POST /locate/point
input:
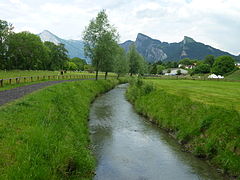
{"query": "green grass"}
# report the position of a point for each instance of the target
(234, 76)
(45, 134)
(204, 127)
(219, 93)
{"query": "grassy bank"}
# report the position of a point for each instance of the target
(234, 76)
(45, 134)
(203, 127)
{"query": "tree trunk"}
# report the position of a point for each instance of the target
(131, 74)
(118, 76)
(106, 75)
(96, 75)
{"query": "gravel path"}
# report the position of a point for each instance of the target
(15, 93)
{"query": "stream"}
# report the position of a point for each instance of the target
(128, 147)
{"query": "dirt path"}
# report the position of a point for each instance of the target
(15, 93)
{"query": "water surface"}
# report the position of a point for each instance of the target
(128, 147)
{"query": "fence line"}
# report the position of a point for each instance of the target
(18, 80)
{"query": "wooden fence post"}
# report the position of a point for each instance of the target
(1, 82)
(31, 79)
(10, 81)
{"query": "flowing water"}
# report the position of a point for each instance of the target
(128, 147)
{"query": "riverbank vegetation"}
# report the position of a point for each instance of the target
(203, 116)
(45, 134)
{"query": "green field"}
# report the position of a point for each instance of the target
(45, 134)
(225, 94)
(234, 76)
(204, 116)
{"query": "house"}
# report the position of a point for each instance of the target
(174, 71)
(214, 76)
(187, 66)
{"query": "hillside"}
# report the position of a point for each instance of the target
(74, 47)
(154, 50)
(234, 76)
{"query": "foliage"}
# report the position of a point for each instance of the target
(45, 135)
(5, 31)
(137, 64)
(202, 69)
(96, 37)
(79, 63)
(210, 59)
(223, 65)
(57, 56)
(234, 76)
(26, 51)
(179, 72)
(121, 65)
(206, 129)
(186, 61)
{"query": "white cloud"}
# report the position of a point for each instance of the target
(215, 22)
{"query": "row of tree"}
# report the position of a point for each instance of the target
(101, 46)
(26, 51)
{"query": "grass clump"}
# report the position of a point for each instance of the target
(45, 135)
(207, 130)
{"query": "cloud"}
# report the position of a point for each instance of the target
(214, 22)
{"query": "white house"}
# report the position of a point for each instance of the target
(214, 76)
(173, 71)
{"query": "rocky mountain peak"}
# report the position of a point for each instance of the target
(48, 36)
(188, 40)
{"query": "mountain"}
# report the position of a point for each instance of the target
(74, 47)
(154, 50)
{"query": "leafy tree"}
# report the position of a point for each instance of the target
(154, 69)
(121, 65)
(70, 66)
(109, 46)
(160, 69)
(179, 72)
(186, 61)
(209, 60)
(202, 69)
(26, 51)
(223, 65)
(57, 56)
(5, 31)
(95, 37)
(89, 68)
(137, 64)
(79, 62)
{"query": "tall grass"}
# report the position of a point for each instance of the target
(45, 135)
(208, 131)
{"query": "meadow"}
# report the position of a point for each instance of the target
(204, 116)
(219, 93)
(45, 134)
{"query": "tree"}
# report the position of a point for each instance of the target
(160, 69)
(5, 31)
(202, 69)
(57, 56)
(121, 65)
(223, 65)
(137, 64)
(209, 60)
(186, 61)
(79, 63)
(179, 72)
(26, 51)
(95, 36)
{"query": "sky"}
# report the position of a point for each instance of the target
(212, 22)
